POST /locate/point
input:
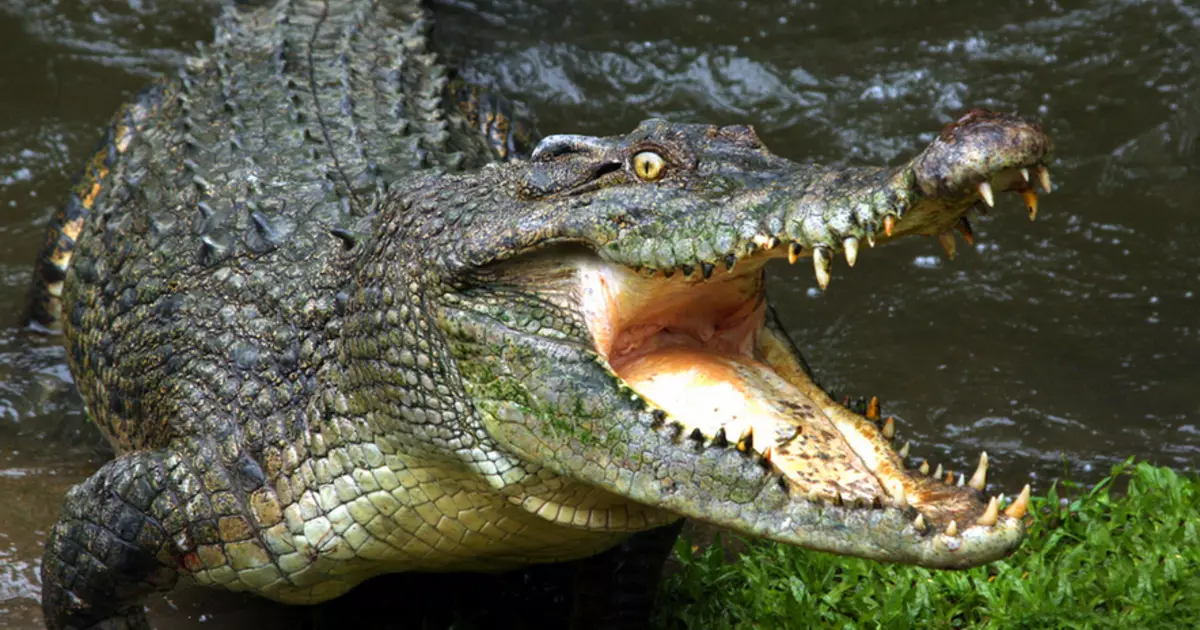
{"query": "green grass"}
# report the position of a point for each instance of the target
(1103, 560)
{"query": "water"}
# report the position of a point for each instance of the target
(1059, 347)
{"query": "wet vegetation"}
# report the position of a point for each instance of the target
(1124, 553)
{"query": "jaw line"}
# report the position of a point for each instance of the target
(860, 445)
(614, 298)
(740, 492)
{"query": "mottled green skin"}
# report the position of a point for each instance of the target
(292, 308)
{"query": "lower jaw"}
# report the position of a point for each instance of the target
(766, 405)
(703, 353)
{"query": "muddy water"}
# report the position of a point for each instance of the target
(1059, 346)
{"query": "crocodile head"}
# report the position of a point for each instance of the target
(603, 304)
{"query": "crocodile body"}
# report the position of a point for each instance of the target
(332, 333)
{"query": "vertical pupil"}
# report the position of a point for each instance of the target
(646, 167)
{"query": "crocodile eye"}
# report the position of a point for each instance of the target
(648, 165)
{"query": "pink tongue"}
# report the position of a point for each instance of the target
(710, 391)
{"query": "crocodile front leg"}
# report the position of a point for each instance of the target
(111, 546)
(151, 519)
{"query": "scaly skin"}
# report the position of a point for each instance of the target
(332, 337)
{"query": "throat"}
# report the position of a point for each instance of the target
(631, 316)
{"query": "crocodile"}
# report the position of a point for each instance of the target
(342, 315)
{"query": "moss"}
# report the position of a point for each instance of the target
(483, 384)
(1100, 560)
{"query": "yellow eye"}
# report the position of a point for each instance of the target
(648, 165)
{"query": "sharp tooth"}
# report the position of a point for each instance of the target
(964, 228)
(1024, 173)
(766, 456)
(991, 514)
(952, 529)
(962, 480)
(1018, 508)
(1030, 197)
(871, 239)
(947, 240)
(793, 252)
(949, 480)
(822, 263)
(746, 441)
(837, 498)
(897, 492)
(919, 522)
(773, 242)
(889, 224)
(851, 245)
(979, 479)
(904, 450)
(889, 428)
(924, 467)
(873, 409)
(985, 191)
(720, 440)
(937, 472)
(1043, 175)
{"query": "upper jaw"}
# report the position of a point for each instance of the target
(825, 213)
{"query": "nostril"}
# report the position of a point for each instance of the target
(977, 112)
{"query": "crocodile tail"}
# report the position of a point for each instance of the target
(50, 270)
(507, 128)
(62, 235)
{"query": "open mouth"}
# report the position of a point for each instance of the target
(714, 414)
(702, 349)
